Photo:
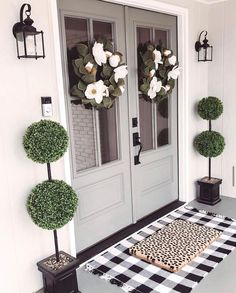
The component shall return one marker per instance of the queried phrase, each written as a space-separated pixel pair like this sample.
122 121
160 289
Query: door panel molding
163 169
96 205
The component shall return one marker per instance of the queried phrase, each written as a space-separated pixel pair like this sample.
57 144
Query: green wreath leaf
107 71
78 62
144 88
107 101
81 86
108 46
162 92
171 83
88 78
121 82
117 92
82 49
89 58
112 80
111 89
76 92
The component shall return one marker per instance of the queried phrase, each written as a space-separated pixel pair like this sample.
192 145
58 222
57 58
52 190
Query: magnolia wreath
101 74
158 69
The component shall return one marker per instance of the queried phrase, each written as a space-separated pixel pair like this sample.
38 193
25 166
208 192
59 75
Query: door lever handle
136 158
137 142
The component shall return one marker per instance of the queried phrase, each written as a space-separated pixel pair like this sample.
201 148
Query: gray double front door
113 191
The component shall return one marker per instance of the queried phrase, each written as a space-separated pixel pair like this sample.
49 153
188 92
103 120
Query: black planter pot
209 190
61 279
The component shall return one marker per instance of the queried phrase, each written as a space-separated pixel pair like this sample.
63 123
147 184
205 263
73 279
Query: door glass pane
102 30
108 134
161 38
163 123
145 107
82 132
143 35
83 137
76 30
145 116
107 117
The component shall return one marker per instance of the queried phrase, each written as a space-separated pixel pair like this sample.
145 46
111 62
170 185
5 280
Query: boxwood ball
52 204
210 108
209 143
45 141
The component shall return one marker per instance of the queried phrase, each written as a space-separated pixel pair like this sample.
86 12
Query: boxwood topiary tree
52 203
210 143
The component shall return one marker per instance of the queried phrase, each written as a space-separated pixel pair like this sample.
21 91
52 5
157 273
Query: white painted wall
23 82
198 88
222 78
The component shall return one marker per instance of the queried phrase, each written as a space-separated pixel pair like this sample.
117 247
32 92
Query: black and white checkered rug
118 267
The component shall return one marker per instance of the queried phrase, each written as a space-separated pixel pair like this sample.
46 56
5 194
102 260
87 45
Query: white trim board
211 2
62 107
183 83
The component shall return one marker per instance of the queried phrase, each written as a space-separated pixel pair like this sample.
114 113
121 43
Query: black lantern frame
29 41
207 53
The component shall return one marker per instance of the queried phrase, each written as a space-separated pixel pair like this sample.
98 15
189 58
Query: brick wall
83 136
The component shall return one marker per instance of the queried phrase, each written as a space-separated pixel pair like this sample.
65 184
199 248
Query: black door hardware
136 141
134 122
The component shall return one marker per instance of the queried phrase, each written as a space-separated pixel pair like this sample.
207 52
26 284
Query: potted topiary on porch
209 144
52 203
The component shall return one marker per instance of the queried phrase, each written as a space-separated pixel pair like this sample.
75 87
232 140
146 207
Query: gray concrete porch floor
221 279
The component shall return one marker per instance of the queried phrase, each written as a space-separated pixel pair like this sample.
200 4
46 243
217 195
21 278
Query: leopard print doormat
117 266
175 245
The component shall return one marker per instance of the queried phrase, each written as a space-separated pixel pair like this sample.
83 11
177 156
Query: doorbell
46 106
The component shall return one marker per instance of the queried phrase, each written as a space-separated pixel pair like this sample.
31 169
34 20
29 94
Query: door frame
183 88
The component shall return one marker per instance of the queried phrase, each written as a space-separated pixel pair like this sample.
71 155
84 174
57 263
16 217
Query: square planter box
209 190
59 277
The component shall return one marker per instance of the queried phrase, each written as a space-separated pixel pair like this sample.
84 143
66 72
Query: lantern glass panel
205 54
20 44
39 44
30 41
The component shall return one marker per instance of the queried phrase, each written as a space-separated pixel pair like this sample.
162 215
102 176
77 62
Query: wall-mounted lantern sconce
29 41
205 51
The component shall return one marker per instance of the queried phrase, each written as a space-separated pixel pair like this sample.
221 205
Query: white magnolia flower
108 54
106 91
157 58
99 54
152 72
155 87
114 60
96 90
120 72
89 66
174 73
166 88
172 60
167 52
122 88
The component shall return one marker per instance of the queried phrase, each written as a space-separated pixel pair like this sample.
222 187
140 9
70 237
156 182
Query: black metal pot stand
209 190
62 279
